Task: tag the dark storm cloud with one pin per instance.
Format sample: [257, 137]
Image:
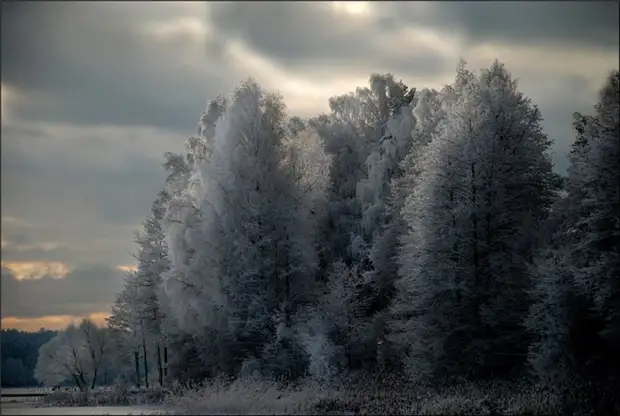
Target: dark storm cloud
[80, 293]
[96, 63]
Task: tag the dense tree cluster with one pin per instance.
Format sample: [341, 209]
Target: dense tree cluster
[421, 232]
[19, 351]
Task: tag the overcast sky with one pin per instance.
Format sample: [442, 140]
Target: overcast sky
[93, 94]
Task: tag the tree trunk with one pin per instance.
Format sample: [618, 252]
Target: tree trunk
[92, 385]
[165, 361]
[159, 366]
[146, 366]
[76, 380]
[136, 357]
[474, 219]
[83, 382]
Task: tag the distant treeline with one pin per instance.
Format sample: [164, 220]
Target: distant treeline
[19, 351]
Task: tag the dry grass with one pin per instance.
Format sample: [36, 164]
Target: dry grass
[384, 396]
[116, 396]
[248, 396]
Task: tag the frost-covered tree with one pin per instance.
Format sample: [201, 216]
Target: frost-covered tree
[127, 329]
[558, 314]
[138, 317]
[75, 354]
[575, 315]
[152, 265]
[383, 162]
[601, 237]
[63, 358]
[268, 263]
[242, 235]
[367, 133]
[356, 128]
[483, 189]
[336, 331]
[182, 225]
[379, 288]
[97, 345]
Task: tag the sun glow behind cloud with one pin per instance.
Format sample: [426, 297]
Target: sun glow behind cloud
[301, 94]
[6, 94]
[187, 26]
[352, 8]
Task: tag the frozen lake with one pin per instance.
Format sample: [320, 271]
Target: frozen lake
[27, 406]
[22, 409]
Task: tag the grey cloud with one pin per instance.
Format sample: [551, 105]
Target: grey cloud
[93, 63]
[304, 36]
[16, 237]
[86, 193]
[72, 180]
[307, 35]
[590, 24]
[558, 97]
[13, 252]
[80, 293]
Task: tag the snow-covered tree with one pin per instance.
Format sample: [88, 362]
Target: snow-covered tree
[269, 262]
[97, 345]
[182, 225]
[63, 358]
[305, 161]
[138, 320]
[600, 276]
[483, 188]
[242, 234]
[127, 330]
[366, 133]
[75, 354]
[355, 129]
[575, 314]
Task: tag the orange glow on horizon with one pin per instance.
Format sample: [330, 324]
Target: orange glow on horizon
[54, 322]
